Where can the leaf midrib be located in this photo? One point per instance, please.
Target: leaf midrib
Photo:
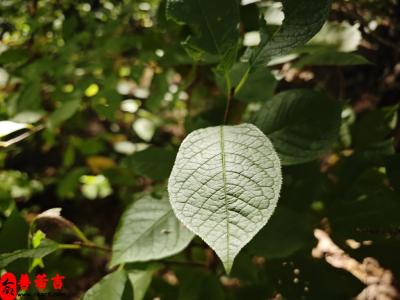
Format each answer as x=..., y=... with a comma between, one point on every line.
x=225, y=192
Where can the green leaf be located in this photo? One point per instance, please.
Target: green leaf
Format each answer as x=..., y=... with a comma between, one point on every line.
x=29, y=97
x=215, y=25
x=303, y=19
x=145, y=164
x=331, y=58
x=302, y=124
x=64, y=112
x=14, y=56
x=148, y=230
x=225, y=185
x=111, y=287
x=140, y=280
x=46, y=247
x=198, y=285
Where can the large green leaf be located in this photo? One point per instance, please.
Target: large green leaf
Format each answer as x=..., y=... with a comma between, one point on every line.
x=303, y=19
x=148, y=230
x=225, y=185
x=302, y=124
x=45, y=248
x=64, y=112
x=111, y=287
x=215, y=25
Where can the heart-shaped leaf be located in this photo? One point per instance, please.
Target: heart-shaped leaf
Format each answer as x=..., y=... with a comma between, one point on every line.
x=225, y=185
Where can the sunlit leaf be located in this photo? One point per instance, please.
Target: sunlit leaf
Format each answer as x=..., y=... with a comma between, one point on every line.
x=225, y=185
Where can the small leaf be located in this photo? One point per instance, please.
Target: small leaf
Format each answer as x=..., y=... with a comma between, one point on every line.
x=63, y=113
x=148, y=230
x=302, y=124
x=215, y=24
x=225, y=185
x=303, y=19
x=8, y=127
x=140, y=280
x=46, y=247
x=111, y=287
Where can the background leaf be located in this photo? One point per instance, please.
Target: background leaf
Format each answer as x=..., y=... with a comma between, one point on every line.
x=215, y=27
x=303, y=19
x=302, y=124
x=46, y=247
x=148, y=230
x=111, y=287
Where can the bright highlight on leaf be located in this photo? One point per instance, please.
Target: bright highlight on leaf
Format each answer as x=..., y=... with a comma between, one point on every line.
x=8, y=127
x=92, y=90
x=225, y=185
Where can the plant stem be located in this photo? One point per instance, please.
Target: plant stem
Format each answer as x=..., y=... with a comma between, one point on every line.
x=242, y=81
x=79, y=246
x=230, y=92
x=70, y=246
x=79, y=234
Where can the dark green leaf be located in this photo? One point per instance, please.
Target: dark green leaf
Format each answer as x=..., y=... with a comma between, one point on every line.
x=64, y=112
x=145, y=164
x=46, y=247
x=303, y=19
x=215, y=26
x=286, y=233
x=302, y=124
x=331, y=58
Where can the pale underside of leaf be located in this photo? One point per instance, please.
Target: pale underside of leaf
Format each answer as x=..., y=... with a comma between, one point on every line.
x=225, y=185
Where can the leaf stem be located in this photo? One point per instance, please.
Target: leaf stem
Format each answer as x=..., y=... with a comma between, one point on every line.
x=78, y=246
x=242, y=81
x=230, y=92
